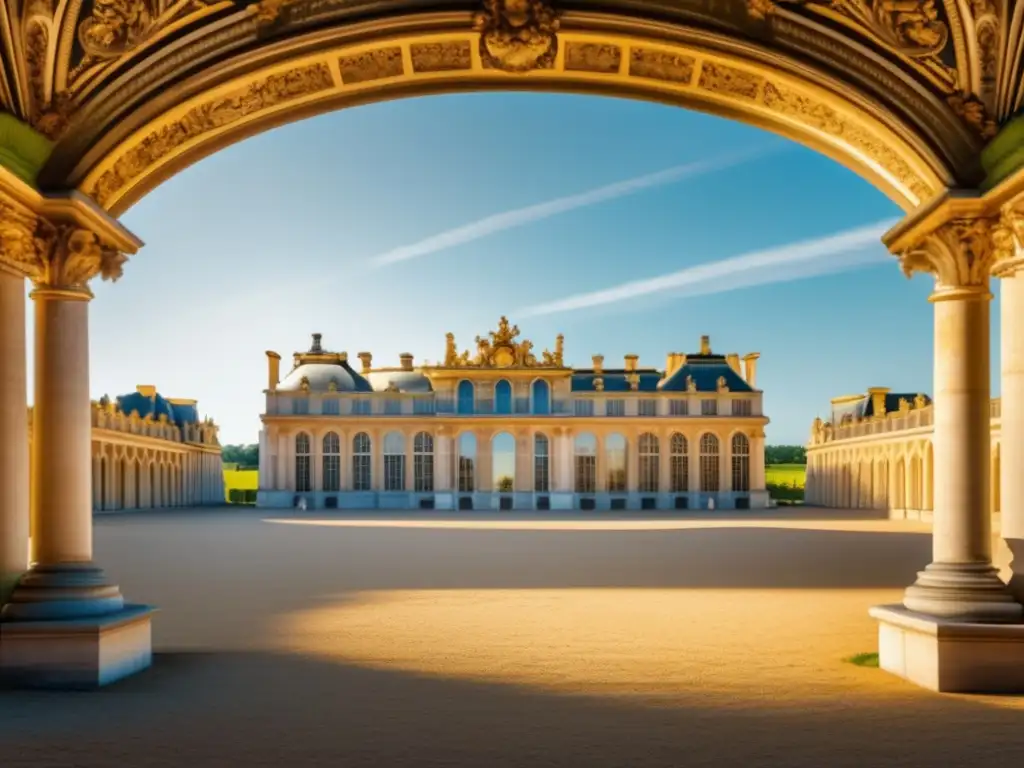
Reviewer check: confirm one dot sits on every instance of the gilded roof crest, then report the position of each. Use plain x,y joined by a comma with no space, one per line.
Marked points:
501,349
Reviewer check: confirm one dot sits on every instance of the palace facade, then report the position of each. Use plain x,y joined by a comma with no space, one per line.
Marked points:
504,428
149,451
876,453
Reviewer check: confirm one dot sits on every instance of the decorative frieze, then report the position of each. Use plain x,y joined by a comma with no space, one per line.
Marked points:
371,65
593,57
441,57
661,65
730,81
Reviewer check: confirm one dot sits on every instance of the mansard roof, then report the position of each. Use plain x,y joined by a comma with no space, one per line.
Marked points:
705,370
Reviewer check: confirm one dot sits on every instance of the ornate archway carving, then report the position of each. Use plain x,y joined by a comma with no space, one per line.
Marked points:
905,92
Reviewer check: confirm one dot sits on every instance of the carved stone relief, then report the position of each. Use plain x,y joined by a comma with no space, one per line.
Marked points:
441,57
593,57
372,65
660,65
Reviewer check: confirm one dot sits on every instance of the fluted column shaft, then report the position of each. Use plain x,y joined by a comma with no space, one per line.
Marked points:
14,460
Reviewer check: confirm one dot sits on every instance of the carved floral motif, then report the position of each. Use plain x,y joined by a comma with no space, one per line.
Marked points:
18,246
730,81
270,92
68,257
371,65
960,254
440,57
1008,241
659,65
972,111
592,57
517,35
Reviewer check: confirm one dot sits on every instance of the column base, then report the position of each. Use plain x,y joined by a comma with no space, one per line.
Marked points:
81,653
971,592
950,656
62,591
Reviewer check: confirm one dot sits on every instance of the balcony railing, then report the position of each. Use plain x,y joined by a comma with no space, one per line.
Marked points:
898,421
108,416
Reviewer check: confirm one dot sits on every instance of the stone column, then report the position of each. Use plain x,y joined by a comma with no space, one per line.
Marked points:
757,474
960,582
1011,480
63,582
14,472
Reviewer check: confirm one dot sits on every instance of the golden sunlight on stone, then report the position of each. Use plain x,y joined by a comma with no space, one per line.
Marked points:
659,646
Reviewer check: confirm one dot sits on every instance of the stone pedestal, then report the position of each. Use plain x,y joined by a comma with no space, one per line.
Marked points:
950,656
76,653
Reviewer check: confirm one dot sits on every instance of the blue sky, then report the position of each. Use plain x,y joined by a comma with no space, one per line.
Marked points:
297,230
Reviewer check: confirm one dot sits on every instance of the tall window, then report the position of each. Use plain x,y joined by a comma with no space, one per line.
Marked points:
331,407
647,407
708,407
649,454
541,397
709,480
423,462
615,408
302,479
583,407
362,407
503,453
300,406
361,462
741,407
678,408
679,464
467,462
615,454
541,464
332,461
740,462
585,449
394,461
503,397
466,395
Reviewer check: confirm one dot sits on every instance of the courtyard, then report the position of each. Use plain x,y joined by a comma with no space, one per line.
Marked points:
426,639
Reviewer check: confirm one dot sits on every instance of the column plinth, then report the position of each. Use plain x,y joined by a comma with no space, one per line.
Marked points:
961,583
62,582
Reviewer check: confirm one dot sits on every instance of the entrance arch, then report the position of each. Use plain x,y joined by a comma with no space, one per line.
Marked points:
899,98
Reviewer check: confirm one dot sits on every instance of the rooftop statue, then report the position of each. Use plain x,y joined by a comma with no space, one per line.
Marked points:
500,348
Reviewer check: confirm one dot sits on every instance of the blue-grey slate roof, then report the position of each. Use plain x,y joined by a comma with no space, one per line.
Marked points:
706,370
614,380
892,402
157,406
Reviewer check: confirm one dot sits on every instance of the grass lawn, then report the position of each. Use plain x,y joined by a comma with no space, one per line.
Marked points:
243,479
785,474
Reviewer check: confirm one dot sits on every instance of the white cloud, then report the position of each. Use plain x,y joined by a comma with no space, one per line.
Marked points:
800,259
518,217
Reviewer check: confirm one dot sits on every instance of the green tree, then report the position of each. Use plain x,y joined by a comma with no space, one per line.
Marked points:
245,456
785,454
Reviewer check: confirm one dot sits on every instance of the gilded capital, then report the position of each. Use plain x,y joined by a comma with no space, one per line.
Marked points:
960,254
68,257
1008,241
17,238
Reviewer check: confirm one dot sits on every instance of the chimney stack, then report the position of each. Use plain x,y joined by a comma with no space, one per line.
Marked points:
273,370
631,361
146,390
366,358
750,368
734,362
316,349
598,364
406,358
705,345
878,399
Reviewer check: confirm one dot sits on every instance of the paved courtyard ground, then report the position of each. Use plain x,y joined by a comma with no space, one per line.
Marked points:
492,641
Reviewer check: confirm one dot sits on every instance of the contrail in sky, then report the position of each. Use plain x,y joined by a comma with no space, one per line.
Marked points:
806,258
517,217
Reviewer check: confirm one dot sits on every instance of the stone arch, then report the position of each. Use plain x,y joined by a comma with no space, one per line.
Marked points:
855,88
900,490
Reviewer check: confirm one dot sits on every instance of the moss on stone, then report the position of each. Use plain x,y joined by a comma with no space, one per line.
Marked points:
1004,154
23,150
864,659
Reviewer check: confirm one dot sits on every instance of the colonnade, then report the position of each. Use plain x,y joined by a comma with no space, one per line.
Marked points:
137,477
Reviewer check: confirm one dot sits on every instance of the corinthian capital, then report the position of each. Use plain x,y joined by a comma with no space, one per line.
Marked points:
17,238
70,256
960,254
1008,240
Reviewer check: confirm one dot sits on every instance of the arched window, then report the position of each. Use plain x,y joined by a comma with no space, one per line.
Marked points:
503,463
302,478
709,472
679,464
541,397
503,397
541,464
585,450
362,476
648,447
466,395
467,462
394,461
423,462
615,457
740,462
332,462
